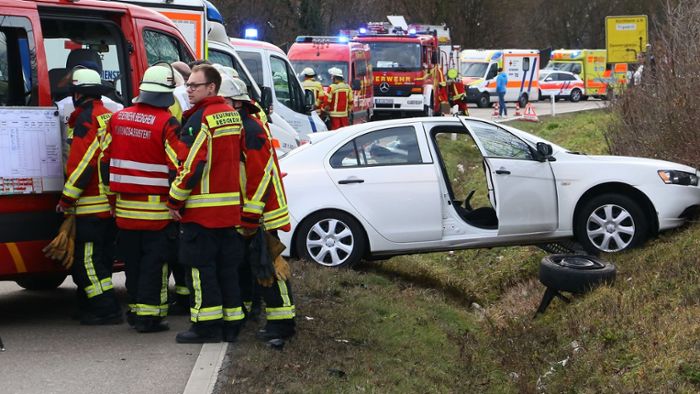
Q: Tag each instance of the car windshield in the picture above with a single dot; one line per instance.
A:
(473, 70)
(395, 56)
(321, 68)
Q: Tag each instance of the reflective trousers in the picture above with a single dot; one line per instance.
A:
(338, 122)
(213, 257)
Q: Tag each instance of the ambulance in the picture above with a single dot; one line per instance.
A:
(353, 58)
(42, 39)
(479, 69)
(591, 65)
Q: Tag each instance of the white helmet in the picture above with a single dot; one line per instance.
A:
(159, 78)
(225, 70)
(335, 72)
(87, 81)
(234, 89)
(309, 72)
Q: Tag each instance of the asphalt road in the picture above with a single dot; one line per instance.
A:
(542, 108)
(47, 352)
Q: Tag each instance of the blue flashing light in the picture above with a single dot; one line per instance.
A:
(412, 32)
(363, 30)
(213, 14)
(342, 39)
(251, 33)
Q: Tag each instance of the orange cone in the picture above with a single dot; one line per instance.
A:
(495, 110)
(517, 109)
(530, 114)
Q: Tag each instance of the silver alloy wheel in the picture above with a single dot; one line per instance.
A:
(610, 228)
(575, 95)
(330, 242)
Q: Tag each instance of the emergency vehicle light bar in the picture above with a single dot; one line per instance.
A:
(323, 39)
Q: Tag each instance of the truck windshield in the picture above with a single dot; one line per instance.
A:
(321, 69)
(561, 66)
(395, 56)
(473, 70)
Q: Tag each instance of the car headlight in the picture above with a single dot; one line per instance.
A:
(678, 177)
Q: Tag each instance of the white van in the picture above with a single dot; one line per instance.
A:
(270, 67)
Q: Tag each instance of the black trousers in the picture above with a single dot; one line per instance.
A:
(92, 265)
(213, 257)
(144, 253)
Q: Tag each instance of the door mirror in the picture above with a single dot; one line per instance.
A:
(435, 59)
(548, 79)
(545, 151)
(266, 98)
(309, 100)
(356, 84)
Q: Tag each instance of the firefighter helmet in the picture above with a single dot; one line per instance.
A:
(309, 72)
(86, 81)
(335, 72)
(234, 89)
(157, 86)
(452, 73)
(225, 70)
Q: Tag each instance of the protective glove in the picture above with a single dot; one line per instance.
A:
(57, 249)
(282, 270)
(260, 260)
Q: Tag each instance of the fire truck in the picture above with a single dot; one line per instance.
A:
(353, 58)
(406, 65)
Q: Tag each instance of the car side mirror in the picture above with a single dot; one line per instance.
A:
(545, 151)
(548, 79)
(309, 100)
(266, 98)
(356, 84)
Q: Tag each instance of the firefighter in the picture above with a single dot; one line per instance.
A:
(442, 91)
(310, 83)
(456, 91)
(83, 197)
(137, 165)
(264, 203)
(340, 102)
(205, 198)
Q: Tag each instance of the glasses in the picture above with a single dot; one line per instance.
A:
(194, 86)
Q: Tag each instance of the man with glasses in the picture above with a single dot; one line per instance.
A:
(205, 198)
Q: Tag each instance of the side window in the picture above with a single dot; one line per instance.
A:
(397, 145)
(18, 75)
(567, 77)
(253, 62)
(526, 64)
(493, 71)
(286, 84)
(346, 156)
(162, 47)
(497, 142)
(361, 68)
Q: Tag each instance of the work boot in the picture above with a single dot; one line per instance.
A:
(231, 331)
(130, 318)
(94, 320)
(180, 307)
(146, 324)
(200, 334)
(276, 330)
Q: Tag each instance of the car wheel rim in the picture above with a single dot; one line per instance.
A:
(576, 95)
(330, 242)
(610, 228)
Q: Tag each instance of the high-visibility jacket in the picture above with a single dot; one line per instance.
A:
(340, 99)
(456, 91)
(316, 87)
(442, 92)
(139, 159)
(261, 181)
(206, 184)
(82, 194)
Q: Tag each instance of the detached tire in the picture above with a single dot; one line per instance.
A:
(331, 239)
(575, 273)
(41, 282)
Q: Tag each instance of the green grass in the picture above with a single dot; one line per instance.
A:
(462, 322)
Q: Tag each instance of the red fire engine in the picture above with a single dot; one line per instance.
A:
(406, 65)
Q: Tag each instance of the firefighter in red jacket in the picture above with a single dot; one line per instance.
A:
(340, 100)
(264, 203)
(137, 165)
(205, 198)
(83, 197)
(457, 94)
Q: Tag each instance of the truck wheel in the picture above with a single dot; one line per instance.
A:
(575, 96)
(483, 101)
(523, 100)
(575, 273)
(41, 282)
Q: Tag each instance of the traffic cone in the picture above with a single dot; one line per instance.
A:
(530, 114)
(495, 110)
(517, 109)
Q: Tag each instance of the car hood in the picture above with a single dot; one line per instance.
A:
(625, 160)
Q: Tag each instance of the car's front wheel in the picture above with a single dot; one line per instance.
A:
(331, 239)
(575, 96)
(611, 223)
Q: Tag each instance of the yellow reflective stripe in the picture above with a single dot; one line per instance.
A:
(276, 223)
(197, 286)
(83, 162)
(277, 212)
(206, 314)
(284, 293)
(131, 307)
(172, 155)
(279, 190)
(177, 193)
(204, 183)
(71, 191)
(264, 182)
(254, 207)
(223, 119)
(143, 205)
(92, 200)
(164, 286)
(233, 314)
(103, 119)
(95, 208)
(127, 214)
(213, 200)
(150, 310)
(182, 290)
(181, 194)
(283, 313)
(106, 284)
(228, 130)
(95, 288)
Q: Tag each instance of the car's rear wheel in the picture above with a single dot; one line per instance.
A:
(483, 101)
(575, 96)
(331, 239)
(611, 223)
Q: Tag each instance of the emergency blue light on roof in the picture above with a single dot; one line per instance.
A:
(251, 33)
(412, 31)
(342, 39)
(363, 30)
(213, 14)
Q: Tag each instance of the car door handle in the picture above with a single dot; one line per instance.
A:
(350, 180)
(502, 172)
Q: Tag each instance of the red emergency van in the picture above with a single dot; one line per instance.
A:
(353, 58)
(39, 42)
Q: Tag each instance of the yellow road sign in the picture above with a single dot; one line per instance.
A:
(625, 37)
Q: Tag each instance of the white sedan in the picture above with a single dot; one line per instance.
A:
(406, 186)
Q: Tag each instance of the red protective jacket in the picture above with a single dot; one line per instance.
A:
(340, 101)
(208, 183)
(262, 183)
(139, 159)
(82, 194)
